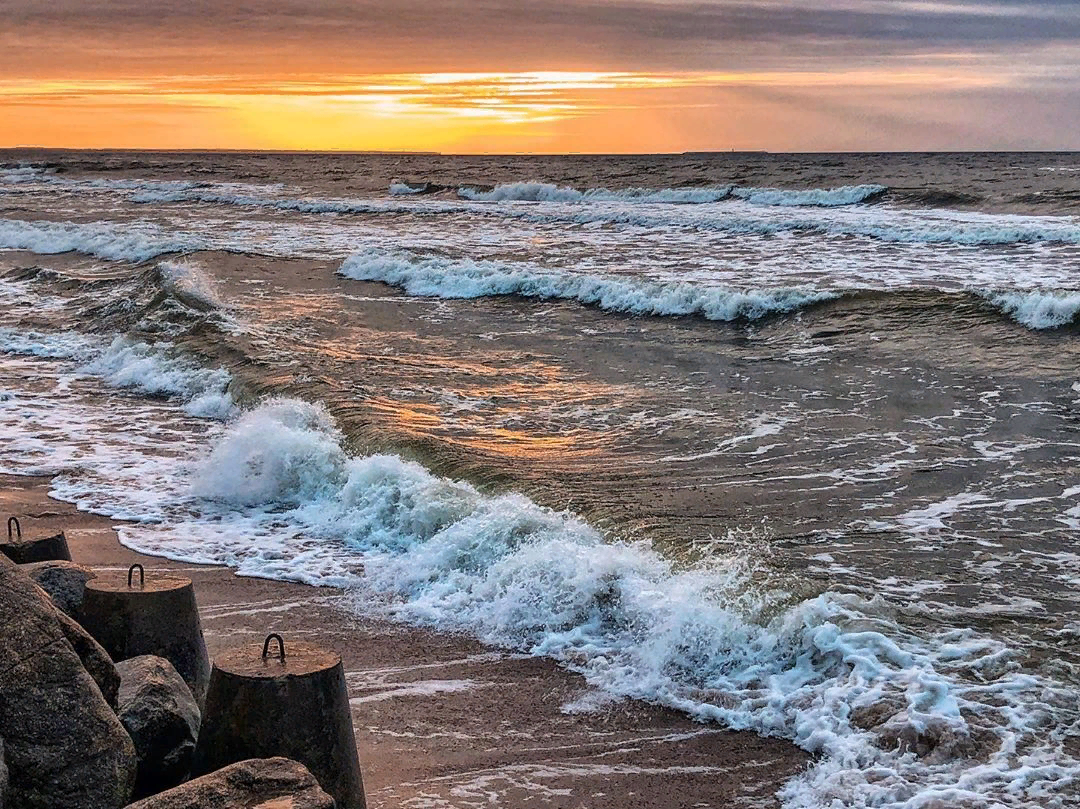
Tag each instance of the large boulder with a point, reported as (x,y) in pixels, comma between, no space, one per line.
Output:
(65,582)
(63,745)
(160,714)
(259,783)
(95,660)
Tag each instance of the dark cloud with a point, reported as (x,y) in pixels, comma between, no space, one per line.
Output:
(677,32)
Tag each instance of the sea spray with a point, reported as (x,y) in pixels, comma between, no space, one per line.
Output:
(1038,308)
(894,713)
(192,285)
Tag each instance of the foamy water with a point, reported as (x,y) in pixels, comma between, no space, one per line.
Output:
(212,364)
(652,251)
(275,495)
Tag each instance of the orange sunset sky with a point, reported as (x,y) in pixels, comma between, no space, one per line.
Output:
(541,75)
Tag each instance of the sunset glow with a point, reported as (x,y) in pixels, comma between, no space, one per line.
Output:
(134,81)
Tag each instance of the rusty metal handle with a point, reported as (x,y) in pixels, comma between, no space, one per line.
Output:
(131,573)
(281,646)
(18,528)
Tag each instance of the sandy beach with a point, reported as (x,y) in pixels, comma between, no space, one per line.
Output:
(441,720)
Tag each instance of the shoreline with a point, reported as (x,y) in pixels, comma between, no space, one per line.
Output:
(444,721)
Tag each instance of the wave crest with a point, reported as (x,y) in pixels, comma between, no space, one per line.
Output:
(99,239)
(1038,309)
(722,640)
(154,370)
(447,278)
(547,192)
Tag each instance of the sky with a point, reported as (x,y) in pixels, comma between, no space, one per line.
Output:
(544,76)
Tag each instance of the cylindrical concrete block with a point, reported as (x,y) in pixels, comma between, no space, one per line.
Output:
(155,616)
(288,701)
(45,549)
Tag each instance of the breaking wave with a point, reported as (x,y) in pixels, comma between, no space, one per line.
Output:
(893,715)
(547,192)
(190,284)
(1038,309)
(154,370)
(881,223)
(463,278)
(99,239)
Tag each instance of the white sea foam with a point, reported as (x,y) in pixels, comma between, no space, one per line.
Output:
(404,189)
(737,217)
(191,284)
(100,239)
(547,192)
(125,363)
(898,717)
(256,200)
(895,716)
(812,197)
(1038,309)
(880,223)
(20,175)
(448,278)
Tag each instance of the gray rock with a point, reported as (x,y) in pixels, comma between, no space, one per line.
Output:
(260,783)
(3,777)
(95,660)
(63,745)
(65,582)
(162,718)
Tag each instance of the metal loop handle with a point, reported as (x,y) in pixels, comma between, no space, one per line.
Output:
(18,528)
(281,646)
(131,573)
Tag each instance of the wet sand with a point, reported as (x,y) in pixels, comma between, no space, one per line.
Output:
(442,721)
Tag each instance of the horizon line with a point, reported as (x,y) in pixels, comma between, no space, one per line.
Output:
(411,153)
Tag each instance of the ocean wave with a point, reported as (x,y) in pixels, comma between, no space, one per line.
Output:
(462,278)
(248,200)
(1038,309)
(898,226)
(891,714)
(154,370)
(403,189)
(936,197)
(547,192)
(99,239)
(190,284)
(811,198)
(18,175)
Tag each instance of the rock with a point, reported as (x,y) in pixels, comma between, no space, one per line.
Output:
(63,745)
(65,582)
(258,783)
(3,777)
(160,714)
(95,660)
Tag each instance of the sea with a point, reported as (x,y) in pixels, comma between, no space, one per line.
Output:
(788,443)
